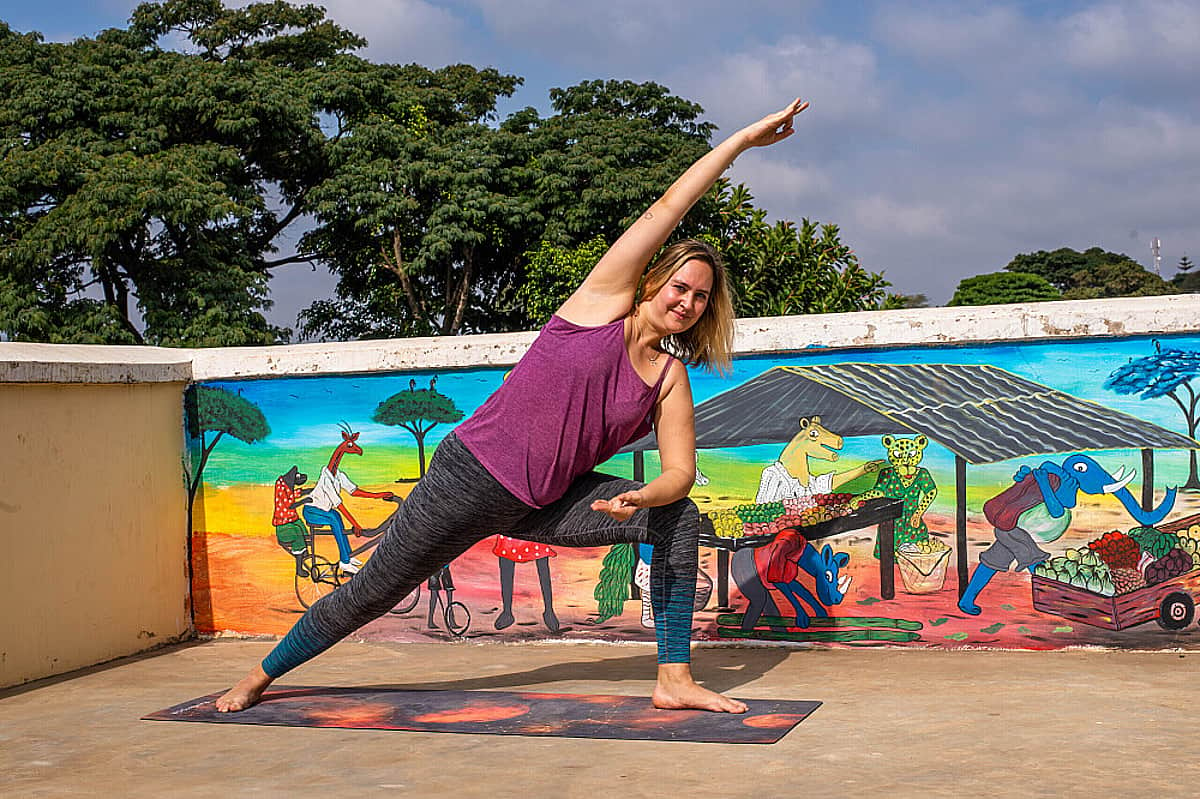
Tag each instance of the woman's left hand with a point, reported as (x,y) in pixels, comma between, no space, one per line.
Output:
(774,127)
(620,507)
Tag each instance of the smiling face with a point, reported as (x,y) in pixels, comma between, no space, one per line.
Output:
(681,300)
(685,299)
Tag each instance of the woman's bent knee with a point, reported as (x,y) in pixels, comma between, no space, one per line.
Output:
(680,518)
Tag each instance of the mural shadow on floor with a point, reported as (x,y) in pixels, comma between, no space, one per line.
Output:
(721,672)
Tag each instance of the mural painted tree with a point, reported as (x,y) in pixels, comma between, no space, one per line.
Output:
(418,411)
(220,411)
(1166,373)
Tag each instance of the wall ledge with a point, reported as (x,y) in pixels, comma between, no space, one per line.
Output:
(1173,314)
(59,363)
(92,363)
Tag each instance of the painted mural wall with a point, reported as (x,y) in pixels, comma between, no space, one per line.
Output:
(981,532)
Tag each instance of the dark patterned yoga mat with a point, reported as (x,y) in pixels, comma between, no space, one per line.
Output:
(501,713)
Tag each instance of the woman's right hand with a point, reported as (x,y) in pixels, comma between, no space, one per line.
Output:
(773,127)
(620,507)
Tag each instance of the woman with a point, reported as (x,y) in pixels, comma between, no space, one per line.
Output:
(594,379)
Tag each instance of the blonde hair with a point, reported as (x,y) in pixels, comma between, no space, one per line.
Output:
(709,342)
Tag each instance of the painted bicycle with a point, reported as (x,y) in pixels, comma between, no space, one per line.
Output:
(318,576)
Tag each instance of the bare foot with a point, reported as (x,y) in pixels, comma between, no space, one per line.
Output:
(245,693)
(676,690)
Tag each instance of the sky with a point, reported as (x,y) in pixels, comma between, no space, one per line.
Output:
(942,138)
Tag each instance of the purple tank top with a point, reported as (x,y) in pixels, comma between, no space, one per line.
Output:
(571,402)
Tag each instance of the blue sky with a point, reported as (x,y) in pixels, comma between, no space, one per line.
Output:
(943,137)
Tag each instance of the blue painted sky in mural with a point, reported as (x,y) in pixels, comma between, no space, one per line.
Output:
(304,412)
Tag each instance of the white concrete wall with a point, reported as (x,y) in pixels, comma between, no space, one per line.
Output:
(1034,321)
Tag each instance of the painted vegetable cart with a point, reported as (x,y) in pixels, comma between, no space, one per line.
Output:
(1125,579)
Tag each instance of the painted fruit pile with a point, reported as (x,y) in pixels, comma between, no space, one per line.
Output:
(768,518)
(930,546)
(1118,562)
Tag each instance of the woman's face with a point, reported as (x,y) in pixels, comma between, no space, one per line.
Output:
(681,301)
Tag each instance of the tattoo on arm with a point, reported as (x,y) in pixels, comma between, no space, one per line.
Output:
(647,215)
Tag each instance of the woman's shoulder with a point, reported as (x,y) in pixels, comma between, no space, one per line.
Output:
(559,321)
(675,384)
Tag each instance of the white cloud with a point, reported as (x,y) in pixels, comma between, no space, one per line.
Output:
(777,183)
(958,34)
(617,36)
(880,214)
(405,31)
(630,38)
(838,78)
(1146,35)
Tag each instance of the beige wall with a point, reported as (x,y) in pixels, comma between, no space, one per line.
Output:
(92,523)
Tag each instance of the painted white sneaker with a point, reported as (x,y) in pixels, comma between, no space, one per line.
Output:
(355,562)
(348,568)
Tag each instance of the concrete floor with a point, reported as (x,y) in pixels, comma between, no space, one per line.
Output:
(896,723)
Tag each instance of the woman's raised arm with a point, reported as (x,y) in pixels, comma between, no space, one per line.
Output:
(608,291)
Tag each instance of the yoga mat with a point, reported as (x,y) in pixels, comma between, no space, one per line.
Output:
(500,713)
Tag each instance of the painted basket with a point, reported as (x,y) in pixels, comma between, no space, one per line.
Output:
(923,572)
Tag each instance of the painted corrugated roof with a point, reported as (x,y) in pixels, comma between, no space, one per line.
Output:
(982,413)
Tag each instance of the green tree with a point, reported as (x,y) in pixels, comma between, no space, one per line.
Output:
(784,268)
(1185,280)
(221,411)
(610,150)
(775,269)
(428,210)
(553,273)
(1122,279)
(165,179)
(418,411)
(1091,274)
(435,213)
(1003,287)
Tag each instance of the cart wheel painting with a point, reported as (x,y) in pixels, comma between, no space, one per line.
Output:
(322,578)
(408,603)
(1176,611)
(458,618)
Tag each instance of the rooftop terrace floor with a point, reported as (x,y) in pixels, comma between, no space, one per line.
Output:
(897,723)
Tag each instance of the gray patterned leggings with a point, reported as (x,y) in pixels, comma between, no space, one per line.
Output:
(458,503)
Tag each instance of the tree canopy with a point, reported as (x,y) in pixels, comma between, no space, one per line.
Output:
(1091,274)
(217,410)
(785,268)
(1185,280)
(435,226)
(153,175)
(998,288)
(162,178)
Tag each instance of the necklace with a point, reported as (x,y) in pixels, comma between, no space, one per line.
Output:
(653,359)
